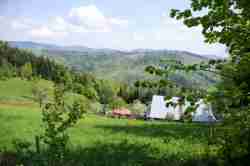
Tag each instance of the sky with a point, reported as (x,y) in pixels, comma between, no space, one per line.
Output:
(116,24)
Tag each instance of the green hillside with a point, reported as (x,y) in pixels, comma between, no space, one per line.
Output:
(96,140)
(96,137)
(121,66)
(16,89)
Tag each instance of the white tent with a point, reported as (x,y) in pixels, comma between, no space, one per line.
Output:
(158,108)
(160,111)
(203,112)
(176,111)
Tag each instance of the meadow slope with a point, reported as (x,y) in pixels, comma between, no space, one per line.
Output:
(98,140)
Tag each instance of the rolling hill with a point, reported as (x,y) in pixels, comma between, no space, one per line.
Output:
(123,66)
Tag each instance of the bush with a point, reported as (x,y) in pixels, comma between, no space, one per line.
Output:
(117,102)
(87,91)
(57,118)
(94,107)
(138,107)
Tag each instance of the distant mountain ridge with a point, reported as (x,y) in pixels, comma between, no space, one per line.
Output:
(123,66)
(79,48)
(36,45)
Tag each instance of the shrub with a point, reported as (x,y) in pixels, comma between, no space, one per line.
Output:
(57,118)
(138,107)
(117,102)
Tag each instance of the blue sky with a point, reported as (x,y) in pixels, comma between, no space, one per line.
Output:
(115,24)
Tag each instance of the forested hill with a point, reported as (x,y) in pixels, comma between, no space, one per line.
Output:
(84,49)
(124,66)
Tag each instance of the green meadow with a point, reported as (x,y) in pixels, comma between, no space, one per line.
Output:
(98,140)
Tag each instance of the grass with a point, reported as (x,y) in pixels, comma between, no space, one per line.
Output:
(18,90)
(18,122)
(102,141)
(97,140)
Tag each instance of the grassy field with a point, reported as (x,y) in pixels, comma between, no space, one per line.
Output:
(18,90)
(99,140)
(102,141)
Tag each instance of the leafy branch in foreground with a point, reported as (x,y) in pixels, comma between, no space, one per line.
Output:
(228,22)
(58,117)
(167,68)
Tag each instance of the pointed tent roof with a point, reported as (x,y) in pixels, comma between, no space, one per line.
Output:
(203,113)
(158,108)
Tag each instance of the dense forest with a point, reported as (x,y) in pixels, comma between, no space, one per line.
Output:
(23,63)
(123,66)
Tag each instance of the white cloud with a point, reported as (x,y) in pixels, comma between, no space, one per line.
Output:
(89,25)
(19,25)
(93,20)
(175,32)
(58,24)
(45,32)
(1,18)
(22,24)
(138,37)
(89,17)
(120,22)
(78,20)
(27,27)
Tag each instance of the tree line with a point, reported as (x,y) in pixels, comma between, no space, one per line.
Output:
(25,64)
